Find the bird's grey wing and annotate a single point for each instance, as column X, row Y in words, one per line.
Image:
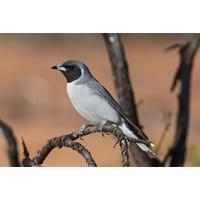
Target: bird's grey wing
column 97, row 88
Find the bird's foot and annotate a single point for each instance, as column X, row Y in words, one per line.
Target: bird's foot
column 103, row 134
column 117, row 142
column 101, row 129
column 82, row 129
column 107, row 124
column 119, row 139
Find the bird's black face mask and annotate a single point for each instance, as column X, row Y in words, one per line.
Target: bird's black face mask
column 71, row 72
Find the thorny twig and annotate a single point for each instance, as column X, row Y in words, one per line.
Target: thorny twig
column 65, row 141
column 68, row 141
column 12, row 150
column 62, row 141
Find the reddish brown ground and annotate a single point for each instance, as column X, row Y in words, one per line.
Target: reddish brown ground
column 34, row 102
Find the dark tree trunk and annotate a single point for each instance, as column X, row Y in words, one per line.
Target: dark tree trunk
column 125, row 92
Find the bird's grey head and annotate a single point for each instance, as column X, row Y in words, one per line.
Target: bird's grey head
column 73, row 70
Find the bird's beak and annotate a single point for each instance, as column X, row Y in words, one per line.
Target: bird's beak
column 54, row 67
column 59, row 68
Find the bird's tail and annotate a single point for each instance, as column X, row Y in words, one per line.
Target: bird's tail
column 144, row 147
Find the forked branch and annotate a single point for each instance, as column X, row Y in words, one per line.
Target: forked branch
column 68, row 141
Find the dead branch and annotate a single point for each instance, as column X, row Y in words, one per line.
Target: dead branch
column 26, row 162
column 68, row 141
column 12, row 149
column 63, row 141
column 187, row 51
column 121, row 75
column 125, row 92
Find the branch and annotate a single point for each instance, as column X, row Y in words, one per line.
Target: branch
column 26, row 162
column 121, row 77
column 68, row 141
column 125, row 92
column 12, row 149
column 183, row 75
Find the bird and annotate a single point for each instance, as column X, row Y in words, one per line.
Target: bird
column 96, row 104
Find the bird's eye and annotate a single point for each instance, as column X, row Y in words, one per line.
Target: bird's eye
column 71, row 67
column 68, row 67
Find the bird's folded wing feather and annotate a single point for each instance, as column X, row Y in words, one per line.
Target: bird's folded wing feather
column 97, row 88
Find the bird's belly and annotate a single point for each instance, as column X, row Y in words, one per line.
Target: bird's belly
column 91, row 106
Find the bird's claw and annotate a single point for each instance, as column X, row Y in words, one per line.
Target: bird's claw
column 117, row 142
column 119, row 139
column 83, row 127
column 81, row 131
column 103, row 134
column 101, row 130
column 80, row 137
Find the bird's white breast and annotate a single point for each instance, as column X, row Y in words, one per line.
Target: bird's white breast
column 90, row 105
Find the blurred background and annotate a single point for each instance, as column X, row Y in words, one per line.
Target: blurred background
column 34, row 103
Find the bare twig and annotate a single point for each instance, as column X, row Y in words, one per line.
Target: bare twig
column 26, row 162
column 12, row 149
column 175, row 46
column 187, row 53
column 63, row 141
column 125, row 92
column 68, row 141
